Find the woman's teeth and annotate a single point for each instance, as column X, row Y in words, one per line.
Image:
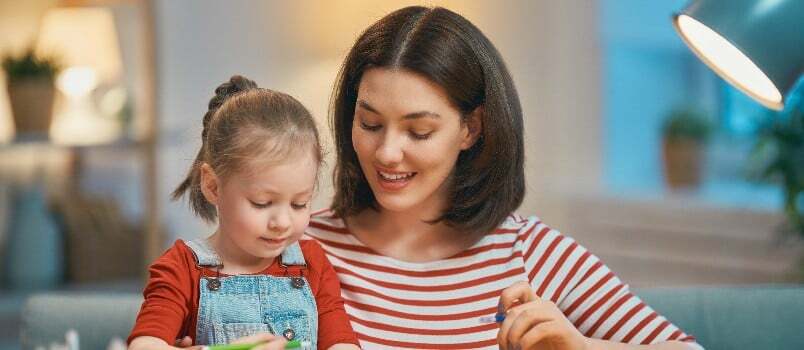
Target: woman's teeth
column 395, row 177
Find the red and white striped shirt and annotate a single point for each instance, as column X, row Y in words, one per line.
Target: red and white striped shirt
column 397, row 304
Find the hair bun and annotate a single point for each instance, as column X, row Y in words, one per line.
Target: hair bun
column 236, row 84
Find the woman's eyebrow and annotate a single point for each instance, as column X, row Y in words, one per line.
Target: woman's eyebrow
column 409, row 116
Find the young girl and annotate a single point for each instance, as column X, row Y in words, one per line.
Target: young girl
column 252, row 280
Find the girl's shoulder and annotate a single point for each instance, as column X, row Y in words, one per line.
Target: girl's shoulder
column 178, row 256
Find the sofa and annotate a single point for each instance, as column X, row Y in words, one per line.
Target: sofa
column 751, row 317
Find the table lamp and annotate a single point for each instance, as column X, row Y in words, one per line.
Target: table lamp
column 84, row 39
column 756, row 45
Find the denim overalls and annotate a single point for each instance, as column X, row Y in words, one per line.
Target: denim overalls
column 230, row 307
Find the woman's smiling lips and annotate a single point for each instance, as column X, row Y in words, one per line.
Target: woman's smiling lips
column 394, row 180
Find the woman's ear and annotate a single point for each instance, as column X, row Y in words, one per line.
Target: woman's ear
column 210, row 184
column 474, row 128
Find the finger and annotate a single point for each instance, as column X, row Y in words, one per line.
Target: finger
column 277, row 343
column 536, row 335
column 524, row 321
column 184, row 342
column 513, row 316
column 256, row 338
column 519, row 292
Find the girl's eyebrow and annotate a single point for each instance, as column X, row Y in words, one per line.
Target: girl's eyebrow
column 415, row 115
column 267, row 191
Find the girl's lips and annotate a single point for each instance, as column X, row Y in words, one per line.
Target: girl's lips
column 273, row 241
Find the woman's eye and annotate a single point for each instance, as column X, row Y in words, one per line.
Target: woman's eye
column 299, row 206
column 260, row 205
column 370, row 127
column 420, row 136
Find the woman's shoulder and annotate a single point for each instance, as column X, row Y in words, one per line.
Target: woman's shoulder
column 325, row 223
column 529, row 230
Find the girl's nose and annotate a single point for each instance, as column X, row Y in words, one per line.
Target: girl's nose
column 279, row 221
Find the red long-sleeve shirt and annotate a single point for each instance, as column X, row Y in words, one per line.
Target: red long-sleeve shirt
column 170, row 308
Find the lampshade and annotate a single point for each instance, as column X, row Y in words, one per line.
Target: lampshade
column 756, row 45
column 82, row 37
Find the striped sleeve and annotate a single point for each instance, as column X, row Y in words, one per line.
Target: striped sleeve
column 589, row 294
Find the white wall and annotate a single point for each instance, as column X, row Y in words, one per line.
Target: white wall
column 550, row 47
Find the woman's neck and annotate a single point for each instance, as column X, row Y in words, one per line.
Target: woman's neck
column 236, row 261
column 409, row 235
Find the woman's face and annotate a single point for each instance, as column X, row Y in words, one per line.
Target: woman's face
column 407, row 137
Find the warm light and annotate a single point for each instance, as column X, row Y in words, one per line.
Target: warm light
column 729, row 62
column 82, row 36
column 77, row 81
column 84, row 40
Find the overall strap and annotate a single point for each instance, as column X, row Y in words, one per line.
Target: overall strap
column 204, row 254
column 292, row 256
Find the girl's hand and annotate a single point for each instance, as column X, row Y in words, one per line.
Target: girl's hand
column 267, row 341
column 533, row 323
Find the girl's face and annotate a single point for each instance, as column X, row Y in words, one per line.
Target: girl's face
column 264, row 211
column 407, row 137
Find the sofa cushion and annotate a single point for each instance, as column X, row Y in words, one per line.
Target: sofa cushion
column 750, row 317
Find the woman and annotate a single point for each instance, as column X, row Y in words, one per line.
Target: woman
column 428, row 132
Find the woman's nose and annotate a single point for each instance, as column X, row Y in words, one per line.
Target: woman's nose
column 390, row 152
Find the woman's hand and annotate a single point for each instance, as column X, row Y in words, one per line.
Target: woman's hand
column 533, row 323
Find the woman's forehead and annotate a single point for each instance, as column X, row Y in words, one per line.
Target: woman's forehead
column 401, row 92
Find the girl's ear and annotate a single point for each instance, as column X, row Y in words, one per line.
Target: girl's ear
column 474, row 128
column 210, row 184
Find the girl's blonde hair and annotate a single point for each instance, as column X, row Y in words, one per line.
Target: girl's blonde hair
column 247, row 127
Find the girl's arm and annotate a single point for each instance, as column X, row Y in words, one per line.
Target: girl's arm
column 152, row 343
column 333, row 322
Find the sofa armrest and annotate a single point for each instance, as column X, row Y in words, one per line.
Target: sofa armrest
column 98, row 317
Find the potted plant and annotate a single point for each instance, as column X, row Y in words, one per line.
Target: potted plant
column 30, row 83
column 780, row 152
column 684, row 133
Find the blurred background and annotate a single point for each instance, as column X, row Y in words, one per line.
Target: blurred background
column 634, row 147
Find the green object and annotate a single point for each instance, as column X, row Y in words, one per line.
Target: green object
column 293, row 344
column 780, row 152
column 768, row 32
column 29, row 66
column 687, row 123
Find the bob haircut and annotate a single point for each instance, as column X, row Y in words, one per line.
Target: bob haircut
column 488, row 180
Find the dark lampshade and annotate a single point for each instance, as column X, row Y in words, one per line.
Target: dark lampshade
column 756, row 45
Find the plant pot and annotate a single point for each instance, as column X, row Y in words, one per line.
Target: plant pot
column 31, row 105
column 682, row 163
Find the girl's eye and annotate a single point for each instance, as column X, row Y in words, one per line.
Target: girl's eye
column 299, row 206
column 369, row 127
column 419, row 136
column 260, row 205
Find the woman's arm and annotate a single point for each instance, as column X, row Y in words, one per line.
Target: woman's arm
column 532, row 322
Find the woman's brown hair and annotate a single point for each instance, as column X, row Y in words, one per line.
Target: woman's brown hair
column 246, row 127
column 436, row 43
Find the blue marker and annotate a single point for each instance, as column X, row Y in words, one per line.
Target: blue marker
column 498, row 318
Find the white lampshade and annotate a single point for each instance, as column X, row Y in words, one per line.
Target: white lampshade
column 82, row 37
